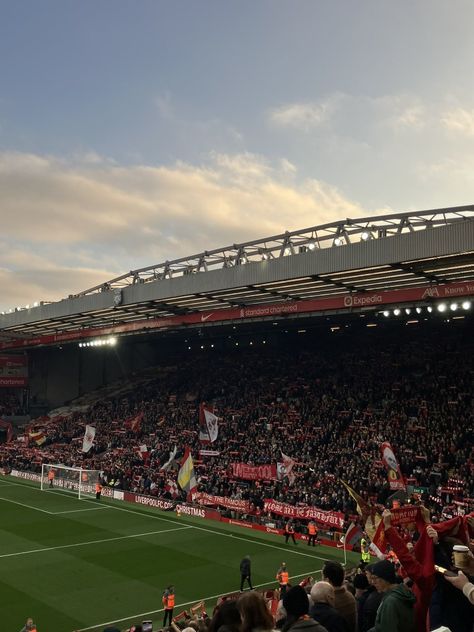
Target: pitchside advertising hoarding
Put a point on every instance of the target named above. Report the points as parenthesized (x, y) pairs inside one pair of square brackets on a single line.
[(356, 300), (13, 371)]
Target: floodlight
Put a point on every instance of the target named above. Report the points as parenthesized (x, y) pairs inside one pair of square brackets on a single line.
[(442, 307), (466, 305), (453, 307), (396, 312)]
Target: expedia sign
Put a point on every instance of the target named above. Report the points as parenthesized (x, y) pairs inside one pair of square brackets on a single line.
[(362, 301)]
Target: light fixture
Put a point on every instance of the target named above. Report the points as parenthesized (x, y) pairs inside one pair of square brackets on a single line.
[(287, 251), (466, 305), (386, 313), (365, 236), (396, 312), (407, 311), (453, 307), (429, 308), (338, 241), (311, 245), (418, 310), (442, 307)]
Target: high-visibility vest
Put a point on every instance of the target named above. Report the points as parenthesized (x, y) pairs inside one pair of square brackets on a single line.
[(312, 529), (283, 578), (365, 556), (50, 475), (168, 601), (98, 488)]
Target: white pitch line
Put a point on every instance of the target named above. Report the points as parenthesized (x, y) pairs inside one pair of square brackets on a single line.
[(214, 532), (188, 603), (70, 546), (15, 502), (56, 513)]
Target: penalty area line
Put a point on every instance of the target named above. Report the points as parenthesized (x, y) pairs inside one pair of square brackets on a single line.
[(187, 603)]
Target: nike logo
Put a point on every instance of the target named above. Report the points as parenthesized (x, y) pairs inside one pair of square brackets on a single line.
[(204, 318)]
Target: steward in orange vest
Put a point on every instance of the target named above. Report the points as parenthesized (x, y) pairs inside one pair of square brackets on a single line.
[(98, 490), (312, 533), (168, 605), (283, 578)]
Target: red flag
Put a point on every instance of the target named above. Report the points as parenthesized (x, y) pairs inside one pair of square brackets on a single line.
[(134, 423), (390, 462)]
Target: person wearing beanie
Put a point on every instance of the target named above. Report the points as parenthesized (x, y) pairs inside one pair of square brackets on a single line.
[(368, 603), (296, 605), (396, 612)]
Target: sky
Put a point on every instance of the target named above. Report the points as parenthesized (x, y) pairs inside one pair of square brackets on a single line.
[(134, 131)]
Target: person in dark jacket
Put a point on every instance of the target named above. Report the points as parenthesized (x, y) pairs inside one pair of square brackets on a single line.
[(245, 573), (296, 605), (396, 612), (323, 611), (368, 605)]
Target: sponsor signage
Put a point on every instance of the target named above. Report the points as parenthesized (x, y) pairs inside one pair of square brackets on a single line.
[(356, 300), (13, 371)]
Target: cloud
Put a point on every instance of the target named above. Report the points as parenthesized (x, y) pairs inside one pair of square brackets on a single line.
[(459, 120), (305, 116), (87, 220)]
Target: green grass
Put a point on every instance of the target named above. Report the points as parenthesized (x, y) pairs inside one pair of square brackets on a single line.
[(76, 564)]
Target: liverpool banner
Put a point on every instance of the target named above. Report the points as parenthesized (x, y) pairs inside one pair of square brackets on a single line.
[(230, 503), (253, 472), (329, 518), (390, 462)]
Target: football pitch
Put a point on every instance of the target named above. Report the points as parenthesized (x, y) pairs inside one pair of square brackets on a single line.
[(80, 565)]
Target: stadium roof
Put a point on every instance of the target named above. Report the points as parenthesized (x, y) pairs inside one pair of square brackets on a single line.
[(349, 258)]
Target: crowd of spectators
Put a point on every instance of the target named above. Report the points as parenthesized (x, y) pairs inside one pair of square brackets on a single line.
[(329, 409)]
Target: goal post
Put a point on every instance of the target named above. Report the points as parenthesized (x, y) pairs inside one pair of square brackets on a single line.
[(75, 480)]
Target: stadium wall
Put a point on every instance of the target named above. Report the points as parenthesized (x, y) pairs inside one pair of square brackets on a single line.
[(59, 375)]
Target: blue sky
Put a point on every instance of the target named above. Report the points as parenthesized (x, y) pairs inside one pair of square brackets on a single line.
[(132, 132)]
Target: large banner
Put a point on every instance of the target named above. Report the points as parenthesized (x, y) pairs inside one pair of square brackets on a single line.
[(208, 424), (390, 462), (230, 503), (13, 371), (266, 472), (331, 518)]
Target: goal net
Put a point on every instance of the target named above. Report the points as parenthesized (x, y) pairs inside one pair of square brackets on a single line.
[(71, 479)]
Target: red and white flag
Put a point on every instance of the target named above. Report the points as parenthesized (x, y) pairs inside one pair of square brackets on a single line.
[(143, 452), (88, 440), (172, 488), (288, 464), (390, 462), (208, 424)]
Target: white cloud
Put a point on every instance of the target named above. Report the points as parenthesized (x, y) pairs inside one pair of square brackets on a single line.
[(87, 221), (305, 116), (459, 120)]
